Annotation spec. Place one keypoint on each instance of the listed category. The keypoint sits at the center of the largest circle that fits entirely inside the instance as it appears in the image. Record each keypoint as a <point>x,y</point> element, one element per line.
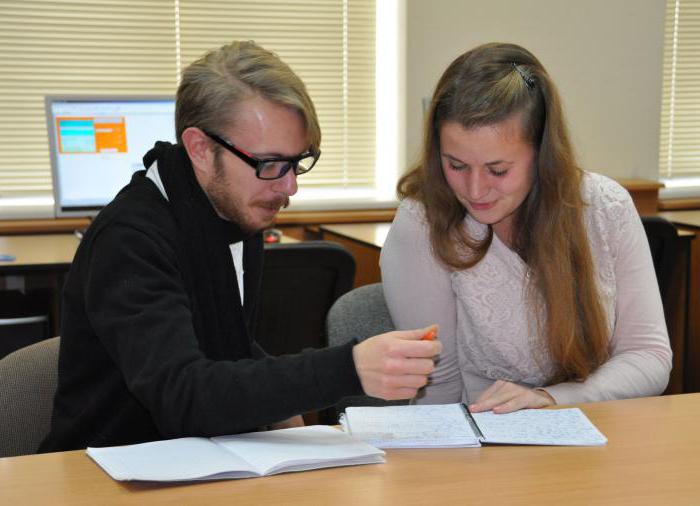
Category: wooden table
<point>371,235</point>
<point>652,458</point>
<point>46,251</point>
<point>364,241</point>
<point>38,252</point>
<point>690,219</point>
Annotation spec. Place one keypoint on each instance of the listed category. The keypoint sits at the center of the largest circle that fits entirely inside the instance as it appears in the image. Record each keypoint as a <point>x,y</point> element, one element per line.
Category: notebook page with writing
<point>416,426</point>
<point>568,427</point>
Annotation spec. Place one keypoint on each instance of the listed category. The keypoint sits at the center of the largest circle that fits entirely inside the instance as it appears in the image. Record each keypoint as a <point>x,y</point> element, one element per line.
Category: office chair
<point>300,282</point>
<point>359,314</point>
<point>663,243</point>
<point>28,379</point>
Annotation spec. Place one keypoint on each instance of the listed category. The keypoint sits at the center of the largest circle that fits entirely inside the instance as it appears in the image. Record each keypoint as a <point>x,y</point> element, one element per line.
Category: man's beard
<point>229,208</point>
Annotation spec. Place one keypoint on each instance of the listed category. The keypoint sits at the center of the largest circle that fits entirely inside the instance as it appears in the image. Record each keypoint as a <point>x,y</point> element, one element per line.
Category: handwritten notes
<point>447,425</point>
<point>426,426</point>
<point>568,427</point>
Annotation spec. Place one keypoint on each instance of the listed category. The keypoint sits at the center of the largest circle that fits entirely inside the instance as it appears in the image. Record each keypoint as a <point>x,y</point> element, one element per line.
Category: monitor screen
<point>97,143</point>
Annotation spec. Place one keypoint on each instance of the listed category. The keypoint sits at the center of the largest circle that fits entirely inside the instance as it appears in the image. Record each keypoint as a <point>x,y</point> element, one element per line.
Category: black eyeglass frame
<point>258,163</point>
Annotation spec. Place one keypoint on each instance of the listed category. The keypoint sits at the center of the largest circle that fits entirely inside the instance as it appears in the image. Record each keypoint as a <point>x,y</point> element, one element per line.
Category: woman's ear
<point>201,152</point>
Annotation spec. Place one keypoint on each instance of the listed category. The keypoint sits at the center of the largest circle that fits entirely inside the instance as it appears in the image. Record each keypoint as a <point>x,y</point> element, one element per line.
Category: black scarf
<point>220,323</point>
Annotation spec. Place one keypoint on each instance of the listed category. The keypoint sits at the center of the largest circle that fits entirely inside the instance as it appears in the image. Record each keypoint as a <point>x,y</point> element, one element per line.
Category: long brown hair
<point>485,86</point>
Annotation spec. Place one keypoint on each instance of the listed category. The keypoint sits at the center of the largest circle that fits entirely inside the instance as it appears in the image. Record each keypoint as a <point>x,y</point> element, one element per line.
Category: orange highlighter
<point>429,336</point>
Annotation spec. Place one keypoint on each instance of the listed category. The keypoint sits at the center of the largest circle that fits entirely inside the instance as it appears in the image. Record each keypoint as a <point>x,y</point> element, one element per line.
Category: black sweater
<point>131,365</point>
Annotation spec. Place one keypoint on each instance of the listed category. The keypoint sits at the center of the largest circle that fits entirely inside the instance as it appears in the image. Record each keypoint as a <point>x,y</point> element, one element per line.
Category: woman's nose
<point>477,186</point>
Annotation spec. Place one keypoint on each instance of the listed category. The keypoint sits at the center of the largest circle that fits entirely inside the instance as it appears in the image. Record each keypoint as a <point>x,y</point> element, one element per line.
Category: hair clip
<point>529,80</point>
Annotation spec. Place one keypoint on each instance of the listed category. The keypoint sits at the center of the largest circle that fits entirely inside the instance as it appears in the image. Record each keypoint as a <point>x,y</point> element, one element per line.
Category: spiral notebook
<point>452,425</point>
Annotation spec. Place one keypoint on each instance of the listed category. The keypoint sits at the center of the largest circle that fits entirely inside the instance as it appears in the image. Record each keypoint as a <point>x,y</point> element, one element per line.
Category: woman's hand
<point>505,397</point>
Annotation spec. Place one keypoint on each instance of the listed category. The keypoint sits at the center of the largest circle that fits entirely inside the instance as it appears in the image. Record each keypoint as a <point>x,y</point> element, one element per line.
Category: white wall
<point>604,55</point>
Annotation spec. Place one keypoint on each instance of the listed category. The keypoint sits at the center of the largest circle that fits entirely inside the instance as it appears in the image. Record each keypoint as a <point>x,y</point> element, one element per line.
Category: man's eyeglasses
<point>271,168</point>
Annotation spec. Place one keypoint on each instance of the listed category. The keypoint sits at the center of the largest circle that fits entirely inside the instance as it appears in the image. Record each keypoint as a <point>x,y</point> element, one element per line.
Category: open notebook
<point>452,425</point>
<point>239,456</point>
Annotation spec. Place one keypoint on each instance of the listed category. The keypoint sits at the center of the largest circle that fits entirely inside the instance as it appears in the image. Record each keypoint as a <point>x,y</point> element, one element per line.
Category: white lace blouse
<point>485,323</point>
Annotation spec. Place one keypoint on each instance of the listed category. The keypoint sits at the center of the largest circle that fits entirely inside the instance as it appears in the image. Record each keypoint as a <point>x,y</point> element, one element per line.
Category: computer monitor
<point>97,142</point>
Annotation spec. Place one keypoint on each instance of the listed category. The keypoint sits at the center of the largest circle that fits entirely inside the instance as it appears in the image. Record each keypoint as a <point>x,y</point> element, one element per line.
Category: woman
<point>538,273</point>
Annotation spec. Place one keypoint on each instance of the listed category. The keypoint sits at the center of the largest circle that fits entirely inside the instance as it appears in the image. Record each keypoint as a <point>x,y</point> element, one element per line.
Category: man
<point>161,294</point>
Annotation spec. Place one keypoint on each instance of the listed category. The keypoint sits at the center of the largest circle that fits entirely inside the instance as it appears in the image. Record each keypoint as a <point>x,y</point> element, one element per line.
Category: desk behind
<point>690,219</point>
<point>38,252</point>
<point>651,458</point>
<point>364,241</point>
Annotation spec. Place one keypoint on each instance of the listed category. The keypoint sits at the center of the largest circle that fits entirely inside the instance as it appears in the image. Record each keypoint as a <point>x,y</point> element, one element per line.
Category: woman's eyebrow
<point>500,162</point>
<point>494,162</point>
<point>453,158</point>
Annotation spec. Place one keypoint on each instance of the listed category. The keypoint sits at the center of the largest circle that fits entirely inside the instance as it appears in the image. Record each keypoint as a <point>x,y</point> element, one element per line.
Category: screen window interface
<point>101,144</point>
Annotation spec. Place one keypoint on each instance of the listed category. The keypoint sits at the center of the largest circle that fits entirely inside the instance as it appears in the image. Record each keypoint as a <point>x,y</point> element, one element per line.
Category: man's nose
<point>287,184</point>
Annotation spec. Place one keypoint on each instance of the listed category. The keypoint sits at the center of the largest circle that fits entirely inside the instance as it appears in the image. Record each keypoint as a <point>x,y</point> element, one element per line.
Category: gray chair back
<point>359,314</point>
<point>28,379</point>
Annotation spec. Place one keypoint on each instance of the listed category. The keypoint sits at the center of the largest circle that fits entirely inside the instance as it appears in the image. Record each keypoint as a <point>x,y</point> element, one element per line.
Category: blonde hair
<point>485,86</point>
<point>212,87</point>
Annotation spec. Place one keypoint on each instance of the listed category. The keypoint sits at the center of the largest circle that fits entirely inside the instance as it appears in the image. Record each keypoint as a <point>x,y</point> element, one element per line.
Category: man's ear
<point>200,151</point>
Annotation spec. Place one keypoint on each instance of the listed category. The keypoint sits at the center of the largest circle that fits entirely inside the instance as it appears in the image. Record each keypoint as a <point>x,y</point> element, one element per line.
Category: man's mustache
<point>277,203</point>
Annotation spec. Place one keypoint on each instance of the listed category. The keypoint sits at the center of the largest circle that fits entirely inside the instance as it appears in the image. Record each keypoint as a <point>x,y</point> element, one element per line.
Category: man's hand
<point>505,397</point>
<point>396,364</point>
<point>295,421</point>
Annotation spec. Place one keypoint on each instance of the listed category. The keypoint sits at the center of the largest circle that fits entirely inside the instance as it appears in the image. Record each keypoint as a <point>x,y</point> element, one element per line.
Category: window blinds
<point>139,47</point>
<point>330,44</point>
<point>679,150</point>
<point>59,47</point>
